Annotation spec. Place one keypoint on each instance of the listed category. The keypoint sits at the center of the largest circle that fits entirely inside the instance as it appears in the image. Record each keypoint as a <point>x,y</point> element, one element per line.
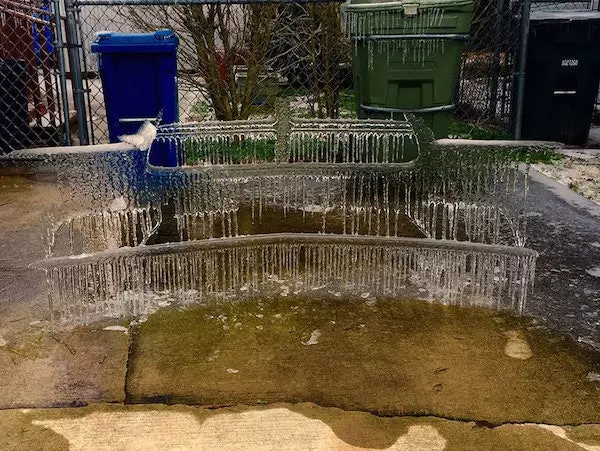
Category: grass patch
<point>464,130</point>
<point>347,103</point>
<point>292,91</point>
<point>346,98</point>
<point>546,156</point>
<point>248,150</point>
<point>202,111</point>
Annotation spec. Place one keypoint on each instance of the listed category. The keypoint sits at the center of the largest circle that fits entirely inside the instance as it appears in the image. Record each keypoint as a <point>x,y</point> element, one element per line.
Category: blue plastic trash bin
<point>139,80</point>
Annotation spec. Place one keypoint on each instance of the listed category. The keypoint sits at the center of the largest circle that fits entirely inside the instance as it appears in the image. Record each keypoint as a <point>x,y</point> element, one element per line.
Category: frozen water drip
<point>132,281</point>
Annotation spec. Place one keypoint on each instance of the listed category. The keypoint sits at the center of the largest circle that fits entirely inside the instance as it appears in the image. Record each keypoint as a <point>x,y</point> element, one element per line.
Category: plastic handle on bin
<point>103,36</point>
<point>411,9</point>
<point>379,5</point>
<point>394,37</point>
<point>164,35</point>
<point>431,109</point>
<point>137,119</point>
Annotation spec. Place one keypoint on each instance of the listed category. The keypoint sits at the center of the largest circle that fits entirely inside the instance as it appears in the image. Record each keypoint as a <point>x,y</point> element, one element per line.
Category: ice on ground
<point>517,347</point>
<point>314,338</point>
<point>117,329</point>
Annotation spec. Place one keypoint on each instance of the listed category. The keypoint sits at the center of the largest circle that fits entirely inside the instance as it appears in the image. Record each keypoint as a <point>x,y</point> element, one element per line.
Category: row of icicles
<point>458,197</point>
<point>138,283</point>
<point>488,210</point>
<point>306,142</point>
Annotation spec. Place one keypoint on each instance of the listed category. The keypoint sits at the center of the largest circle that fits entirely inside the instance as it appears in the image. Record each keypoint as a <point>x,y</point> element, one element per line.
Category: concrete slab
<point>40,366</point>
<point>390,357</point>
<point>589,155</point>
<point>278,427</point>
<point>594,136</point>
<point>564,228</point>
<point>581,176</point>
<point>53,369</point>
<point>41,370</point>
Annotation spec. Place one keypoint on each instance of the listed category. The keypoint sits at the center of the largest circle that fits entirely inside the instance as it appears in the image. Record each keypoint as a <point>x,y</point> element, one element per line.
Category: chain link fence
<point>300,51</point>
<point>30,104</point>
<point>486,85</point>
<point>233,61</point>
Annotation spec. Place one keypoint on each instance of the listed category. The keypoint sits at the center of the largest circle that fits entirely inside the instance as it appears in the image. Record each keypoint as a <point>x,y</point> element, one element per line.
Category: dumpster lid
<point>565,15</point>
<point>410,6</point>
<point>112,42</point>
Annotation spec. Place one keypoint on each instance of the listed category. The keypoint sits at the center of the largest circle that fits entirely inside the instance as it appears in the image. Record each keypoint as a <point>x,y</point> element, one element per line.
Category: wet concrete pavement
<point>455,371</point>
<point>564,228</point>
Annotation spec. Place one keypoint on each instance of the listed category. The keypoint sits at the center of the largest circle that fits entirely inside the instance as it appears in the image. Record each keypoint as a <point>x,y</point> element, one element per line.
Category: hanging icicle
<point>136,281</point>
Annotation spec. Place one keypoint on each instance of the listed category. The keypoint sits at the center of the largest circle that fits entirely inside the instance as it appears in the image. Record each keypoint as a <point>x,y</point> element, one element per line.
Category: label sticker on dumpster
<point>570,63</point>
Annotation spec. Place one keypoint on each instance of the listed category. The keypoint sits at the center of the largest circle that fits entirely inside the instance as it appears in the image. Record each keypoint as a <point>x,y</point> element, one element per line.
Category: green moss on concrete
<point>18,433</point>
<point>390,358</point>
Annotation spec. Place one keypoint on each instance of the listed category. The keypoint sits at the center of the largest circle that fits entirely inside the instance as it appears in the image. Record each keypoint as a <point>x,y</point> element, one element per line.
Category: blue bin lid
<point>165,41</point>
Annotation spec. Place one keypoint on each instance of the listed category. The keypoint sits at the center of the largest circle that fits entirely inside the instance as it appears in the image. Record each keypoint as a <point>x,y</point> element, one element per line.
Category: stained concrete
<point>278,427</point>
<point>26,203</point>
<point>42,366</point>
<point>46,368</point>
<point>391,358</point>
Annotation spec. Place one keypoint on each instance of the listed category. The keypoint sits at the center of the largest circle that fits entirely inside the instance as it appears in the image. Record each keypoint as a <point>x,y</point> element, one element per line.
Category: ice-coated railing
<point>136,281</point>
<point>289,140</point>
<point>457,190</point>
<point>355,170</point>
<point>466,198</point>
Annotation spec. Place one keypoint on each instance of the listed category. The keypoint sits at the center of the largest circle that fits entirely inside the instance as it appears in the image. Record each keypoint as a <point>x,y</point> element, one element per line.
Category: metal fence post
<point>523,41</point>
<point>496,69</point>
<point>76,74</point>
<point>60,47</point>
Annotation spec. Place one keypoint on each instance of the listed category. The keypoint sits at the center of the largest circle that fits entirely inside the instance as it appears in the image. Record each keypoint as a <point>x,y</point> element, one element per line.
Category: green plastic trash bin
<point>407,57</point>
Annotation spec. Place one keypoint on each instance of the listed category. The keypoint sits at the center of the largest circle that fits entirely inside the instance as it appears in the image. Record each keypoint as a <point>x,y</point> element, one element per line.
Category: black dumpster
<point>14,123</point>
<point>562,74</point>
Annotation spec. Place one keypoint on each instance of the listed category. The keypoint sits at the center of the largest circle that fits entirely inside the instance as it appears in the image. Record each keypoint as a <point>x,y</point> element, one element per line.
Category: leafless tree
<point>290,40</point>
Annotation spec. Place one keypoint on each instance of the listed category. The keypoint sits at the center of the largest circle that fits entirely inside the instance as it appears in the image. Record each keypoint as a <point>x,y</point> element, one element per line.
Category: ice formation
<point>132,281</point>
<point>355,176</point>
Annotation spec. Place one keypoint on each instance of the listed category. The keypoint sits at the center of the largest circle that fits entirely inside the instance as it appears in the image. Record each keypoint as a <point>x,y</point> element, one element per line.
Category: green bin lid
<point>410,6</point>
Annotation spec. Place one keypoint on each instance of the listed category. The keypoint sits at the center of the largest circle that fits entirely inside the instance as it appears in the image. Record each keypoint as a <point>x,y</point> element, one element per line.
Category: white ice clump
<point>314,338</point>
<point>144,137</point>
<point>516,346</point>
<point>593,377</point>
<point>594,271</point>
<point>117,329</point>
